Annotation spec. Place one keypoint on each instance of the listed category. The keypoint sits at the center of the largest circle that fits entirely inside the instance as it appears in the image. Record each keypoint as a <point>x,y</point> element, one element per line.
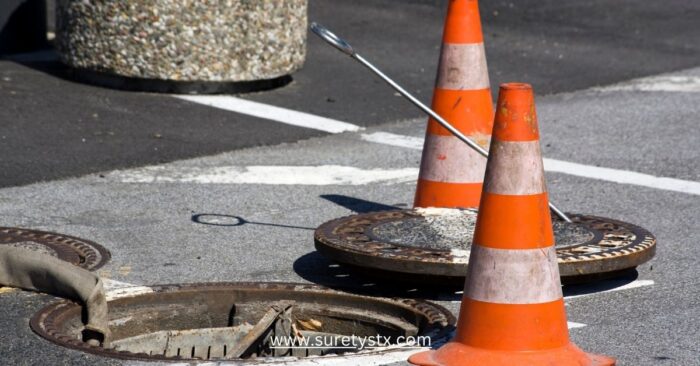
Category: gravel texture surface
<point>183,40</point>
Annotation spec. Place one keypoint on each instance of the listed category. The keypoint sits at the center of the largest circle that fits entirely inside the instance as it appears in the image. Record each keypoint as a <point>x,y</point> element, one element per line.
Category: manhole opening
<point>249,321</point>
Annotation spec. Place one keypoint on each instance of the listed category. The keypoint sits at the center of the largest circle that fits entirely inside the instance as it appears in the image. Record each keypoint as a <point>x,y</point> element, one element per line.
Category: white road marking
<point>386,138</point>
<point>574,325</point>
<point>622,176</point>
<point>660,83</point>
<point>629,286</point>
<point>266,111</point>
<point>278,175</point>
<point>565,167</point>
<point>369,358</point>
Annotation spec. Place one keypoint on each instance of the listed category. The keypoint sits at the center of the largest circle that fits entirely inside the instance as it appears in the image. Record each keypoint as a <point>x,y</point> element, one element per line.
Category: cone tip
<point>516,119</point>
<point>515,86</point>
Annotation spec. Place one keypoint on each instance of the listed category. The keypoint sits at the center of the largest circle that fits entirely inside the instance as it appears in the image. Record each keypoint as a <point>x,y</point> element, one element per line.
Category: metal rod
<point>347,49</point>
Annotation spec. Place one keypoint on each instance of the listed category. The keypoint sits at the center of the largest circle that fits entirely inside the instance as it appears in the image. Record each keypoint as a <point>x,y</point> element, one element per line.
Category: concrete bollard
<point>180,46</point>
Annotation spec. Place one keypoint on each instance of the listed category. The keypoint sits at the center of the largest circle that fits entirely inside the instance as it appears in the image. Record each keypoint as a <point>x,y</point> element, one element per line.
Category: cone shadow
<point>356,204</point>
<point>622,279</point>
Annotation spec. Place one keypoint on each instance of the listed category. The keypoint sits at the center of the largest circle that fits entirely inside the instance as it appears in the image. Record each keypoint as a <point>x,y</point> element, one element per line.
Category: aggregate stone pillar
<point>194,46</point>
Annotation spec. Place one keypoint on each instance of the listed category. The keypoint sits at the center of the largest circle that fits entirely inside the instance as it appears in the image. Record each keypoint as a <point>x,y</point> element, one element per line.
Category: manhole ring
<point>80,252</point>
<point>593,247</point>
<point>205,306</point>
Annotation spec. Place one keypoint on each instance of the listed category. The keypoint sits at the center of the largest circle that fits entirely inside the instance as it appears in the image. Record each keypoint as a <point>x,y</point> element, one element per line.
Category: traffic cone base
<point>454,353</point>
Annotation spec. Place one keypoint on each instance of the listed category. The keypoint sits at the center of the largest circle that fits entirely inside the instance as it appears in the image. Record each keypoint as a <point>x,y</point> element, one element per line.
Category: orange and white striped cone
<point>512,309</point>
<point>451,173</point>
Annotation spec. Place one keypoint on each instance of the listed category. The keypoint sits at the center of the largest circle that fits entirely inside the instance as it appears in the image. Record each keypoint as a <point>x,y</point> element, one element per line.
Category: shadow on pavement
<point>316,268</point>
<point>358,205</point>
<point>231,220</point>
<point>624,278</point>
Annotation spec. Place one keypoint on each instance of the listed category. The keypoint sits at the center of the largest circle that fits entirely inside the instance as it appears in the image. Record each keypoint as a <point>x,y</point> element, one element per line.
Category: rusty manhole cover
<point>436,242</point>
<point>222,321</point>
<point>80,252</point>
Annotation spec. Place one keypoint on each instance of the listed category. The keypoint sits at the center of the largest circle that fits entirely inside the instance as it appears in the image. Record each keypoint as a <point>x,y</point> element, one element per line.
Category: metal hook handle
<point>332,39</point>
<point>345,47</point>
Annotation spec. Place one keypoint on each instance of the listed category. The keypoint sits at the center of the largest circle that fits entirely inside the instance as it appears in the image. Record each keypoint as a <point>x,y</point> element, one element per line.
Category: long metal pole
<point>345,47</point>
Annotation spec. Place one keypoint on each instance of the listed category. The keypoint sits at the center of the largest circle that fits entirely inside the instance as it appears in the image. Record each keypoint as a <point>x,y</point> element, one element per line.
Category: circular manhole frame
<point>614,248</point>
<point>77,251</point>
<point>438,322</point>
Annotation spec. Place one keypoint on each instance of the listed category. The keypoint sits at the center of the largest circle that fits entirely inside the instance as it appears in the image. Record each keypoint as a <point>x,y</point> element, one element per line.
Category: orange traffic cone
<point>512,311</point>
<point>451,173</point>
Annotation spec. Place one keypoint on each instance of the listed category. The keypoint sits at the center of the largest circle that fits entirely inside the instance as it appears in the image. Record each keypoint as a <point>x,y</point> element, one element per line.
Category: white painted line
<point>386,358</point>
<point>386,138</point>
<point>369,358</point>
<point>622,176</point>
<point>629,286</point>
<point>277,175</point>
<point>565,167</point>
<point>574,325</point>
<point>661,83</point>
<point>266,111</point>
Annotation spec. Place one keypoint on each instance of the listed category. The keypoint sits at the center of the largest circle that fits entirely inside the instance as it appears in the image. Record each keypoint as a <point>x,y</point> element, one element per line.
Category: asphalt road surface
<point>55,128</point>
<point>121,190</point>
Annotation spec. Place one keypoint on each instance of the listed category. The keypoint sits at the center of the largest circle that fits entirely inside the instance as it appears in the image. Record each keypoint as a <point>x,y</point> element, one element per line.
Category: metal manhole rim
<point>42,322</point>
<point>331,244</point>
<point>64,243</point>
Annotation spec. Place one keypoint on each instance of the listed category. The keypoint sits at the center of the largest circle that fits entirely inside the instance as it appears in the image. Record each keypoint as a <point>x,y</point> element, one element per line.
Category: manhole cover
<point>436,242</point>
<point>80,252</point>
<point>250,322</point>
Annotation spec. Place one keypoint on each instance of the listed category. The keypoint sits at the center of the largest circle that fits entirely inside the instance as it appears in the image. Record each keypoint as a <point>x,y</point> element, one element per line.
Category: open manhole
<point>420,244</point>
<point>251,322</point>
<point>80,252</point>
